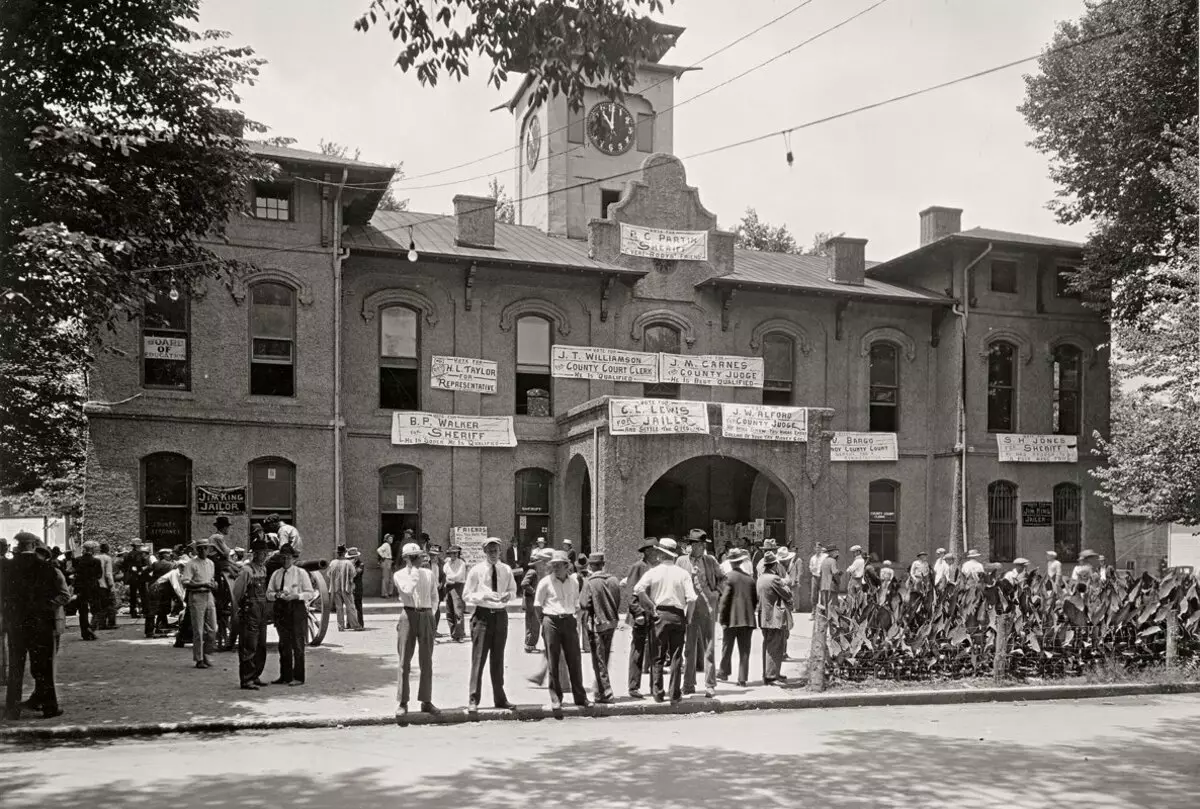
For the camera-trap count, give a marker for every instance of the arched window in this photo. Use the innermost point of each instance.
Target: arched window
(1068, 370)
(272, 340)
(399, 500)
(883, 529)
(533, 488)
(1068, 521)
(662, 339)
(166, 358)
(1002, 388)
(272, 489)
(399, 359)
(1002, 520)
(884, 399)
(533, 366)
(778, 352)
(166, 499)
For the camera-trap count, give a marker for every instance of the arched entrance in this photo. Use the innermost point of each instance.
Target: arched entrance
(577, 487)
(710, 489)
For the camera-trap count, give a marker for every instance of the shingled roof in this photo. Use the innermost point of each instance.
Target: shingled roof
(895, 267)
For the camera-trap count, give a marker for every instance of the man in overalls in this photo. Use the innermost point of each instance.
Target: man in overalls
(250, 598)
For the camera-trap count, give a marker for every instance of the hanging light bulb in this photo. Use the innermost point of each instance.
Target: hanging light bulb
(174, 293)
(412, 247)
(787, 142)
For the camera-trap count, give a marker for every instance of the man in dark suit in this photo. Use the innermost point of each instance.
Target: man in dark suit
(89, 570)
(33, 591)
(739, 603)
(774, 616)
(641, 645)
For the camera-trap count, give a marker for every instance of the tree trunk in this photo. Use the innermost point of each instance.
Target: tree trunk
(819, 650)
(1172, 637)
(1000, 661)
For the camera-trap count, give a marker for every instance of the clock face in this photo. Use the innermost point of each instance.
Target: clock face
(533, 143)
(610, 127)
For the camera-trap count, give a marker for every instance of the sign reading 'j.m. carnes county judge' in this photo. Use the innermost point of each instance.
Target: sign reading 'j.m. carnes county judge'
(656, 417)
(709, 369)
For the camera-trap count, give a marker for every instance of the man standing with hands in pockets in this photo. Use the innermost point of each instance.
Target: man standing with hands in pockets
(490, 586)
(417, 589)
(289, 590)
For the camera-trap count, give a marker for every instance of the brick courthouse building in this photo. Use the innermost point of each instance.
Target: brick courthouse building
(279, 391)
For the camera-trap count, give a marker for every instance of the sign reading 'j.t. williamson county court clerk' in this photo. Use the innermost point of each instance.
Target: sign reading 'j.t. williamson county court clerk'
(446, 430)
(656, 417)
(605, 364)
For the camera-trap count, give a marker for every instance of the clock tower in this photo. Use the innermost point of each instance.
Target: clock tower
(571, 164)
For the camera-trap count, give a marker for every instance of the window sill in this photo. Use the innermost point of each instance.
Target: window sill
(168, 393)
(286, 401)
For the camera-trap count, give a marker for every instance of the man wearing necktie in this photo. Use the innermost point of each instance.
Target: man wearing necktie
(490, 586)
(416, 588)
(699, 643)
(290, 590)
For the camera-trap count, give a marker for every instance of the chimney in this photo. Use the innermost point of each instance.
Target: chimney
(937, 222)
(475, 218)
(849, 259)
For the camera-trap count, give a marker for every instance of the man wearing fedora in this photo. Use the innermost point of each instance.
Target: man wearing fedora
(416, 587)
(88, 573)
(340, 578)
(33, 593)
(669, 596)
(1083, 572)
(600, 604)
(250, 599)
(641, 621)
(199, 582)
(774, 617)
(828, 585)
(557, 602)
(490, 586)
(737, 612)
(133, 566)
(289, 590)
(700, 642)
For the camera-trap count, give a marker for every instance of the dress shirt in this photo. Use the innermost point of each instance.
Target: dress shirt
(858, 567)
(288, 533)
(455, 571)
(1082, 572)
(972, 569)
(479, 586)
(385, 552)
(829, 575)
(667, 585)
(554, 597)
(941, 569)
(198, 571)
(294, 579)
(416, 587)
(1054, 569)
(1013, 576)
(918, 569)
(814, 563)
(171, 577)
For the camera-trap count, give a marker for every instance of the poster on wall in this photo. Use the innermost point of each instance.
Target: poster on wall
(709, 369)
(446, 430)
(467, 374)
(470, 538)
(863, 447)
(680, 245)
(1017, 448)
(764, 422)
(605, 364)
(164, 348)
(1037, 514)
(656, 417)
(220, 500)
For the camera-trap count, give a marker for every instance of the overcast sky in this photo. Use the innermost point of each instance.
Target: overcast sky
(867, 175)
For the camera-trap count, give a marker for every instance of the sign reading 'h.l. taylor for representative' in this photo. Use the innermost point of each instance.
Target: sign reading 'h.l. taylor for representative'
(1015, 448)
(605, 364)
(446, 430)
(656, 417)
(463, 373)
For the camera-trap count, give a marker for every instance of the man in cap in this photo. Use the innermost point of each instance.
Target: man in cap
(856, 570)
(158, 601)
(828, 586)
(528, 589)
(249, 595)
(384, 552)
(699, 641)
(133, 567)
(569, 548)
(1017, 574)
(940, 564)
(600, 604)
(199, 582)
(774, 616)
(1053, 571)
(918, 571)
(360, 568)
(416, 587)
(972, 569)
(33, 591)
(557, 602)
(340, 578)
(737, 612)
(289, 589)
(454, 574)
(668, 594)
(490, 586)
(88, 573)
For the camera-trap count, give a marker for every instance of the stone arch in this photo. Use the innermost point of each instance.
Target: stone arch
(575, 508)
(664, 316)
(889, 334)
(411, 298)
(1024, 348)
(780, 325)
(242, 283)
(1086, 349)
(535, 306)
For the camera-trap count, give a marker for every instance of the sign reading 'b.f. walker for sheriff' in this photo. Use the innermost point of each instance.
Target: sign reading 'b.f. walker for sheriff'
(764, 423)
(463, 373)
(684, 245)
(707, 369)
(656, 417)
(863, 447)
(445, 430)
(606, 364)
(1016, 448)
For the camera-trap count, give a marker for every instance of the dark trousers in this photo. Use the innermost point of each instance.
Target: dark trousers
(562, 644)
(106, 609)
(414, 633)
(533, 629)
(437, 611)
(252, 640)
(88, 604)
(455, 613)
(35, 641)
(742, 636)
(489, 634)
(358, 605)
(774, 648)
(700, 649)
(137, 598)
(641, 653)
(601, 652)
(158, 606)
(223, 596)
(291, 622)
(670, 628)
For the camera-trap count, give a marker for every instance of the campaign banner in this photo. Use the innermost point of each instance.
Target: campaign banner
(220, 499)
(764, 422)
(1017, 448)
(711, 369)
(463, 373)
(164, 348)
(605, 364)
(446, 430)
(656, 417)
(686, 245)
(470, 538)
(863, 447)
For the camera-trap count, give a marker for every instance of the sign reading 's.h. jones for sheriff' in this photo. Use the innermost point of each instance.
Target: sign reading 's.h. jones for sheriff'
(1017, 448)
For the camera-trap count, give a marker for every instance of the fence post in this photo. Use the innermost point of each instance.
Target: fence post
(819, 650)
(1172, 636)
(1000, 660)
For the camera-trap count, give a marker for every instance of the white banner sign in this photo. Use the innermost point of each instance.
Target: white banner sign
(704, 369)
(863, 447)
(607, 364)
(656, 417)
(444, 430)
(463, 373)
(164, 348)
(764, 422)
(470, 538)
(689, 245)
(1016, 448)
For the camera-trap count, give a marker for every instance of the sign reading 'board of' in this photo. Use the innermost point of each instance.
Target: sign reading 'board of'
(685, 245)
(656, 417)
(764, 423)
(444, 430)
(164, 348)
(1015, 448)
(704, 369)
(463, 373)
(606, 364)
(863, 447)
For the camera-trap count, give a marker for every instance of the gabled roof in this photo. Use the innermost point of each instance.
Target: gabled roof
(753, 268)
(305, 156)
(894, 268)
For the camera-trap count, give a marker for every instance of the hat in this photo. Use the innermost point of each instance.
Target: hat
(559, 557)
(25, 538)
(541, 539)
(341, 549)
(941, 550)
(410, 549)
(1020, 560)
(353, 553)
(259, 544)
(921, 553)
(668, 546)
(769, 543)
(854, 548)
(698, 535)
(769, 558)
(492, 541)
(136, 542)
(596, 558)
(737, 555)
(784, 555)
(221, 522)
(972, 554)
(288, 550)
(435, 548)
(1087, 554)
(202, 542)
(454, 549)
(541, 555)
(830, 548)
(648, 544)
(271, 518)
(1052, 554)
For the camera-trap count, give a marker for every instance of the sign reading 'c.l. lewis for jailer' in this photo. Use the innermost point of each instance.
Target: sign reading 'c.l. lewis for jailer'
(656, 417)
(685, 245)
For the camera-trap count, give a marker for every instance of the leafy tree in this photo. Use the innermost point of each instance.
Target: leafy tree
(506, 208)
(820, 241)
(115, 156)
(754, 234)
(566, 45)
(388, 202)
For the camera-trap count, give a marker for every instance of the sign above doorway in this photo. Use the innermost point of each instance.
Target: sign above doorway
(220, 499)
(764, 423)
(656, 417)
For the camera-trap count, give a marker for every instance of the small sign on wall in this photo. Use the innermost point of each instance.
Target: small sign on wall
(1037, 514)
(164, 348)
(399, 502)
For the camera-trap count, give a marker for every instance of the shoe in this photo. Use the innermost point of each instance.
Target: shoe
(781, 679)
(31, 704)
(529, 650)
(676, 700)
(89, 637)
(249, 687)
(203, 664)
(535, 680)
(723, 678)
(178, 645)
(296, 682)
(687, 692)
(659, 697)
(280, 681)
(635, 694)
(505, 705)
(606, 701)
(259, 683)
(768, 682)
(741, 685)
(709, 693)
(429, 707)
(472, 707)
(53, 712)
(555, 705)
(587, 703)
(402, 715)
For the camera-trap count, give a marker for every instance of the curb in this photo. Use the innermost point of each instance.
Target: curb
(459, 716)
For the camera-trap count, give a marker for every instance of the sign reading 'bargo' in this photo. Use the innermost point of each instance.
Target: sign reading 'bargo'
(463, 373)
(445, 430)
(1016, 448)
(680, 245)
(863, 447)
(709, 369)
(606, 364)
(656, 417)
(764, 423)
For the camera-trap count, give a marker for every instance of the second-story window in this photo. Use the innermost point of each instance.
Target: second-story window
(645, 132)
(1004, 276)
(884, 396)
(1067, 373)
(1063, 277)
(399, 361)
(1002, 388)
(273, 201)
(533, 366)
(663, 340)
(779, 369)
(272, 340)
(165, 349)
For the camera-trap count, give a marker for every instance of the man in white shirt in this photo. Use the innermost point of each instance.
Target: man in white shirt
(340, 577)
(814, 572)
(489, 588)
(290, 589)
(286, 534)
(940, 566)
(667, 593)
(856, 570)
(972, 569)
(918, 571)
(455, 571)
(1017, 574)
(384, 552)
(416, 587)
(198, 578)
(1084, 571)
(556, 601)
(1053, 570)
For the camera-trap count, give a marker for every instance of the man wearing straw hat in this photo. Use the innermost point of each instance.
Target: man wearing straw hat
(667, 593)
(700, 640)
(198, 578)
(416, 588)
(557, 602)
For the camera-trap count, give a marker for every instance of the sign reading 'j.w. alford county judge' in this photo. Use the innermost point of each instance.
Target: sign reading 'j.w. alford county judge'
(764, 423)
(446, 430)
(605, 364)
(1016, 448)
(656, 417)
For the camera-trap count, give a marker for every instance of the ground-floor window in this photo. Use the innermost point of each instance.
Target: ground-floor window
(399, 501)
(533, 490)
(1002, 520)
(883, 525)
(272, 489)
(1068, 521)
(166, 499)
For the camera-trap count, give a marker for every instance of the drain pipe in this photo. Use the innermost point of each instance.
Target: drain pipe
(595, 486)
(963, 311)
(339, 255)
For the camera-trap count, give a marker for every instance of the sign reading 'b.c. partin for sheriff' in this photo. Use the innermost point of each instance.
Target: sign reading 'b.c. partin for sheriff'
(686, 245)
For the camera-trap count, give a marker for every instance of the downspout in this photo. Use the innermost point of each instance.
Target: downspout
(963, 313)
(339, 255)
(595, 486)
